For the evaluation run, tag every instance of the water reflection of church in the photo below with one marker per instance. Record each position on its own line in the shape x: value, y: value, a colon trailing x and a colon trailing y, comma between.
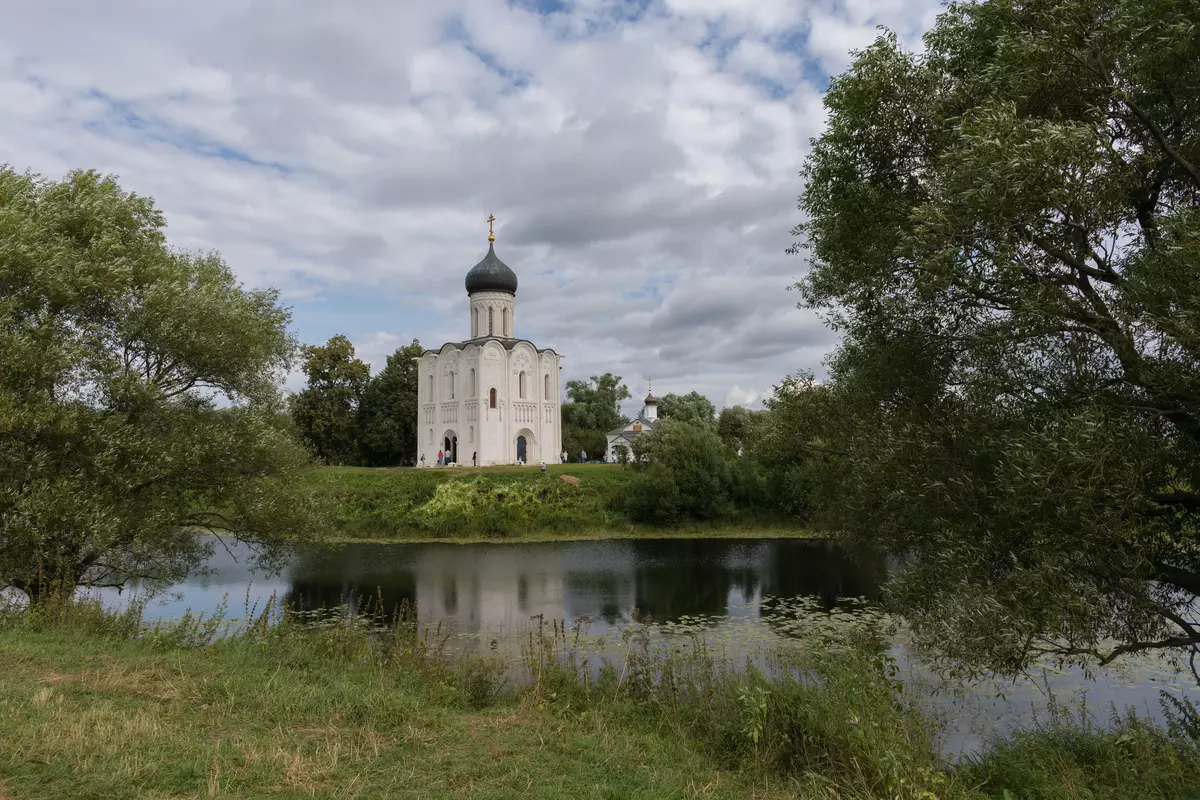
x: 498, y: 588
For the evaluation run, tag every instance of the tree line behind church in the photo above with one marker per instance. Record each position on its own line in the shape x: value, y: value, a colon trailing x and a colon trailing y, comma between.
x: 698, y: 465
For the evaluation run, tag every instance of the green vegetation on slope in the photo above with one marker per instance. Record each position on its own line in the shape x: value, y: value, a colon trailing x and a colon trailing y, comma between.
x: 568, y: 499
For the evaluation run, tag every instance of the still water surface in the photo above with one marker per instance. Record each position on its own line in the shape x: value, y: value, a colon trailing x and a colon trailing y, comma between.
x: 482, y: 591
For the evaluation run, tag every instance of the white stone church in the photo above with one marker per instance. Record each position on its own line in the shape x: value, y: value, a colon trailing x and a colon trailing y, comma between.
x: 493, y: 397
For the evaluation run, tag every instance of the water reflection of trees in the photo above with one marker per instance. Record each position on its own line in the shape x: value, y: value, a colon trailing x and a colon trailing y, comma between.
x: 820, y: 569
x: 691, y: 578
x: 664, y: 579
x: 603, y: 595
x: 324, y: 579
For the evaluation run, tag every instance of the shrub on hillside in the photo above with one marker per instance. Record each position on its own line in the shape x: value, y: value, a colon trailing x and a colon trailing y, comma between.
x: 694, y: 459
x: 653, y: 496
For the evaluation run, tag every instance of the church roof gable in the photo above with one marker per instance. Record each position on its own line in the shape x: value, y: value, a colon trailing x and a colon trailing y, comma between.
x: 507, y: 344
x: 647, y: 426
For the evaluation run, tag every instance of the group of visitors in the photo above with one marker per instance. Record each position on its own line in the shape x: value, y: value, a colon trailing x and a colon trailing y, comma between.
x: 443, y: 459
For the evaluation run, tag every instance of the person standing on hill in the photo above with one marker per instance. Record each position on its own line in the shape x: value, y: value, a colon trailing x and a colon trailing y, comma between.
x: 473, y: 459
x: 440, y: 458
x: 422, y: 459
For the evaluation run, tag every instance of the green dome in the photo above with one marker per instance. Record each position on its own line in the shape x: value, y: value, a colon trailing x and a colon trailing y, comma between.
x: 491, y: 275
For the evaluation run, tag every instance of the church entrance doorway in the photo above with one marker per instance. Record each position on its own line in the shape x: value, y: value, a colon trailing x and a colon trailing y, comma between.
x: 451, y: 448
x: 527, y: 448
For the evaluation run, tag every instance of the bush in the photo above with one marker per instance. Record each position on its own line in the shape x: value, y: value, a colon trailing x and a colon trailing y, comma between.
x: 749, y: 484
x: 654, y: 496
x: 695, y: 459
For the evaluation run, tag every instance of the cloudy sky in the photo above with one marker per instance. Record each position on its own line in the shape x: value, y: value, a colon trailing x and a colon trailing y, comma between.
x: 641, y: 158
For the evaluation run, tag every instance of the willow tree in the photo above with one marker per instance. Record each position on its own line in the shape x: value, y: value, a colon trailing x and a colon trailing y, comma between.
x: 1006, y: 226
x: 139, y: 396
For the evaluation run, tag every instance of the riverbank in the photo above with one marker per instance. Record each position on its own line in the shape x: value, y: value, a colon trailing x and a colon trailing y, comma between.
x: 755, y: 531
x: 97, y: 705
x: 567, y: 502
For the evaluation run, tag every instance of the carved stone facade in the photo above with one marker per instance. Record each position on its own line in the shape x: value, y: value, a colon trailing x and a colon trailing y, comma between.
x: 493, y: 396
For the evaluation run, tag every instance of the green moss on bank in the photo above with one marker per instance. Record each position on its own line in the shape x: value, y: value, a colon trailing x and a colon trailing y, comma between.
x: 567, y: 501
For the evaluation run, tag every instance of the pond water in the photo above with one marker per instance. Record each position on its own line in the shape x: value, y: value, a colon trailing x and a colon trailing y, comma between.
x: 479, y: 593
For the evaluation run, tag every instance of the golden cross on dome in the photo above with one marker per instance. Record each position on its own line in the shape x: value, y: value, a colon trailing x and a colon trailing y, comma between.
x: 491, y: 235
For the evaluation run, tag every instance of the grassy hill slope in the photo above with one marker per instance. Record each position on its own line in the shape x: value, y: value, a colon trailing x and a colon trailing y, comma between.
x: 493, y: 502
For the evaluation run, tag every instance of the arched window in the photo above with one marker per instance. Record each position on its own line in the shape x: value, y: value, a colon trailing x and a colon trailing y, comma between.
x: 492, y: 397
x: 491, y: 332
x: 471, y: 433
x: 546, y: 394
x: 521, y: 385
x: 431, y: 435
x: 471, y: 388
x: 451, y: 385
x: 431, y: 388
x: 507, y: 323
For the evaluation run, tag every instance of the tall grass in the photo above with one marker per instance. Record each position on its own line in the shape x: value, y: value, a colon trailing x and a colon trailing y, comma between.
x: 830, y: 720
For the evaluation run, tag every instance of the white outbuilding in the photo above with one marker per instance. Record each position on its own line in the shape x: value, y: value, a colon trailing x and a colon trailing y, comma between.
x: 623, y: 437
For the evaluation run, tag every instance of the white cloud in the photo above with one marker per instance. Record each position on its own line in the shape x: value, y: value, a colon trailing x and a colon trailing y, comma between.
x: 737, y: 396
x: 642, y: 157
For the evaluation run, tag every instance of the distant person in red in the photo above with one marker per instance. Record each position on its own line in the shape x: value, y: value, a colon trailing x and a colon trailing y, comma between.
x: 439, y: 458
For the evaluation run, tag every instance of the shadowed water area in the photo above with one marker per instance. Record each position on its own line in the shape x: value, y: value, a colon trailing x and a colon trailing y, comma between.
x: 739, y: 595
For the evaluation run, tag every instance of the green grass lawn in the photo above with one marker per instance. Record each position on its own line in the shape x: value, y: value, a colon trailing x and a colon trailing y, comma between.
x: 576, y: 501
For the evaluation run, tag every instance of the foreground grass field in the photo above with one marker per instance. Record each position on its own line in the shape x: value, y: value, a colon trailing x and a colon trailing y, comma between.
x: 86, y: 718
x: 99, y: 706
x: 567, y: 501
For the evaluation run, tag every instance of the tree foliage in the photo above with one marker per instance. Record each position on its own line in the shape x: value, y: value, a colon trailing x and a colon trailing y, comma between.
x: 595, y: 404
x: 593, y: 409
x: 683, y: 472
x: 693, y: 408
x: 736, y: 426
x: 326, y: 411
x: 112, y: 450
x: 387, y: 413
x: 785, y: 441
x: 1006, y: 227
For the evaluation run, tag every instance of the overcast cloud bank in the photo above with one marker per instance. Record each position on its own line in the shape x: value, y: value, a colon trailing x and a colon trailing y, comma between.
x: 642, y: 160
